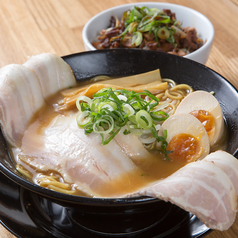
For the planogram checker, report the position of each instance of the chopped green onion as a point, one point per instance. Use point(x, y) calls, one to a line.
point(122, 97)
point(109, 110)
point(112, 135)
point(143, 19)
point(83, 119)
point(159, 115)
point(136, 38)
point(126, 132)
point(121, 35)
point(163, 33)
point(139, 132)
point(82, 98)
point(161, 139)
point(111, 106)
point(161, 106)
point(132, 27)
point(132, 119)
point(102, 123)
point(147, 140)
point(157, 127)
point(144, 119)
point(128, 110)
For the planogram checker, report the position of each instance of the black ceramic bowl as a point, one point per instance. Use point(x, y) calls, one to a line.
point(32, 211)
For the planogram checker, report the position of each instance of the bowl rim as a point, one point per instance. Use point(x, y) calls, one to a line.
point(209, 40)
point(23, 182)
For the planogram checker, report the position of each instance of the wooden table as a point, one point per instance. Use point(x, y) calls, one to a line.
point(29, 27)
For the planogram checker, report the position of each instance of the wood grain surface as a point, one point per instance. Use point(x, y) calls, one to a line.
point(29, 27)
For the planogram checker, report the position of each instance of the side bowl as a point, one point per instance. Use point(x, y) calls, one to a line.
point(188, 17)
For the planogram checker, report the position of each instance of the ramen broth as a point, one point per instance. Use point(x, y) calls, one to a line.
point(157, 167)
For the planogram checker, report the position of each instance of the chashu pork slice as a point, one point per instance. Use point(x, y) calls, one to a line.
point(96, 169)
point(20, 97)
point(201, 188)
point(228, 163)
point(24, 89)
point(133, 147)
point(53, 72)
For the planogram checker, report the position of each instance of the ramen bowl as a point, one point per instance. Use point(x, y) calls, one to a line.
point(187, 16)
point(29, 210)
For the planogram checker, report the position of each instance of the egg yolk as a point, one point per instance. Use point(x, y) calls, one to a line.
point(184, 148)
point(205, 118)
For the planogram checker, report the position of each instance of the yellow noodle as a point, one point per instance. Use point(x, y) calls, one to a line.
point(174, 95)
point(45, 182)
point(160, 95)
point(183, 87)
point(61, 190)
point(52, 183)
point(178, 91)
point(24, 171)
point(170, 81)
point(50, 178)
point(171, 105)
point(176, 102)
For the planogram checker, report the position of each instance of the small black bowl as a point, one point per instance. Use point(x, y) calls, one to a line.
point(47, 213)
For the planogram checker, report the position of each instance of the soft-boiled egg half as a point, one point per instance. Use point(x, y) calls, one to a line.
point(187, 138)
point(205, 107)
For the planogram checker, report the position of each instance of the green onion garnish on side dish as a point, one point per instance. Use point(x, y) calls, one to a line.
point(143, 19)
point(109, 110)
